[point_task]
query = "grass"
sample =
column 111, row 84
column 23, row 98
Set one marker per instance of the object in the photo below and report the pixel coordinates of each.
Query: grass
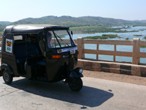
column 142, row 46
column 97, row 28
column 137, row 35
column 1, row 33
column 104, row 36
column 94, row 29
column 127, row 38
column 144, row 37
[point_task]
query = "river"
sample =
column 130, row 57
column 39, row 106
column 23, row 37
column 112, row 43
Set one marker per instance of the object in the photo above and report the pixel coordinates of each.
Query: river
column 134, row 32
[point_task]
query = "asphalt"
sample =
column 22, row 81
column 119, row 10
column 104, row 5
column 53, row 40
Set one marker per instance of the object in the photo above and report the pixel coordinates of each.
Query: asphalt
column 97, row 94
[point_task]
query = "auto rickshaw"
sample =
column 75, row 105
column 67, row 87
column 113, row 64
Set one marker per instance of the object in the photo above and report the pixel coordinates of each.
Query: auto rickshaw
column 37, row 52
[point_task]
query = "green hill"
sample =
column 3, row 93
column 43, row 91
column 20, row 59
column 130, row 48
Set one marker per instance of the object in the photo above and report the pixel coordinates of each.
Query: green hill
column 77, row 21
column 3, row 24
column 79, row 24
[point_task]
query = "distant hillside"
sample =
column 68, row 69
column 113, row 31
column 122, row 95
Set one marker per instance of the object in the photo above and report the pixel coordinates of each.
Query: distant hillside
column 87, row 22
column 3, row 24
column 78, row 21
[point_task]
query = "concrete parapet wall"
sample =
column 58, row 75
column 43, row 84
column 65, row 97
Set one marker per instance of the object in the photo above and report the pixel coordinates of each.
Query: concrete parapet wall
column 113, row 67
column 135, row 53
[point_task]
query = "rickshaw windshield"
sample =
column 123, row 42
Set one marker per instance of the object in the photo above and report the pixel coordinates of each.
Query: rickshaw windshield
column 59, row 39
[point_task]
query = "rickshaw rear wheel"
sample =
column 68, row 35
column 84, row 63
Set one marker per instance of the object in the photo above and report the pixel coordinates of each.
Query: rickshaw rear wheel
column 7, row 77
column 75, row 84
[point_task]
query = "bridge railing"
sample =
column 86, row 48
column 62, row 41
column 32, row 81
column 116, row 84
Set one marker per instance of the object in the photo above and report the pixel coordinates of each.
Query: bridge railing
column 135, row 54
column 0, row 45
column 135, row 67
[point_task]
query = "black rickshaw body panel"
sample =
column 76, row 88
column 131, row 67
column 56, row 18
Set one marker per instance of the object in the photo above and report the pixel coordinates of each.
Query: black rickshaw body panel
column 58, row 69
column 8, row 58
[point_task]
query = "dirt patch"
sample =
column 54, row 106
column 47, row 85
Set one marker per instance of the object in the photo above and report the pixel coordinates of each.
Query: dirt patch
column 116, row 77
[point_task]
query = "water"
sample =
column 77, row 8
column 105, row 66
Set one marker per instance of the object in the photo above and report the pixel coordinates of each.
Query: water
column 139, row 32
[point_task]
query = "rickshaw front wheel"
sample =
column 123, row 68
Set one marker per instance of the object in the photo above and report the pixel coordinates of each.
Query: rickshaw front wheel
column 7, row 77
column 75, row 84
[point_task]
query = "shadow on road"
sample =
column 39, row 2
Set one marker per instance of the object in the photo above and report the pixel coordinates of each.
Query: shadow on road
column 88, row 96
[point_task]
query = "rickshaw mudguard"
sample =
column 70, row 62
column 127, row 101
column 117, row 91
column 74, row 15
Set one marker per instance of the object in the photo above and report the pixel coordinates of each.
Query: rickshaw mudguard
column 53, row 69
column 76, row 73
column 1, row 72
column 5, row 66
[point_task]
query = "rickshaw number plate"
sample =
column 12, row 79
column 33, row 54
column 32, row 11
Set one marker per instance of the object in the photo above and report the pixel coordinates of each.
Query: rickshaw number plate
column 72, row 51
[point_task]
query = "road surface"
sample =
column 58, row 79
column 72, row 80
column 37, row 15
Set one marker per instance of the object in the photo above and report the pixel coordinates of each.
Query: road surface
column 97, row 94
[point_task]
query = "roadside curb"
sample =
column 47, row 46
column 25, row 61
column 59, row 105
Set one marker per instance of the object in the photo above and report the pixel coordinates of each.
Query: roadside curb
column 112, row 67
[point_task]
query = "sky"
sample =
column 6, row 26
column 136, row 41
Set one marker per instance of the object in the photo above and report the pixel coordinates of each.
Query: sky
column 13, row 10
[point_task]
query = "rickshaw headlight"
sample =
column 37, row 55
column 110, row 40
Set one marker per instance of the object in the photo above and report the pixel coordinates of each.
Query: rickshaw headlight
column 76, row 73
column 80, row 70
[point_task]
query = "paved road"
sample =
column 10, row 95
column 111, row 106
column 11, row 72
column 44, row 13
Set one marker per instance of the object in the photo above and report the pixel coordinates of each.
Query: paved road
column 97, row 94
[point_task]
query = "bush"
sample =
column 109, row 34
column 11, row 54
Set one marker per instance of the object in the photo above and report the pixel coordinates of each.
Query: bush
column 104, row 36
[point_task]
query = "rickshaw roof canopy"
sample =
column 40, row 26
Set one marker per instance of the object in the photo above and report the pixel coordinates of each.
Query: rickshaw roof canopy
column 31, row 29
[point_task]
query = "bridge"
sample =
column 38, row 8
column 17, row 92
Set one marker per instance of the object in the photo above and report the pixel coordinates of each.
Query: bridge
column 131, row 68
